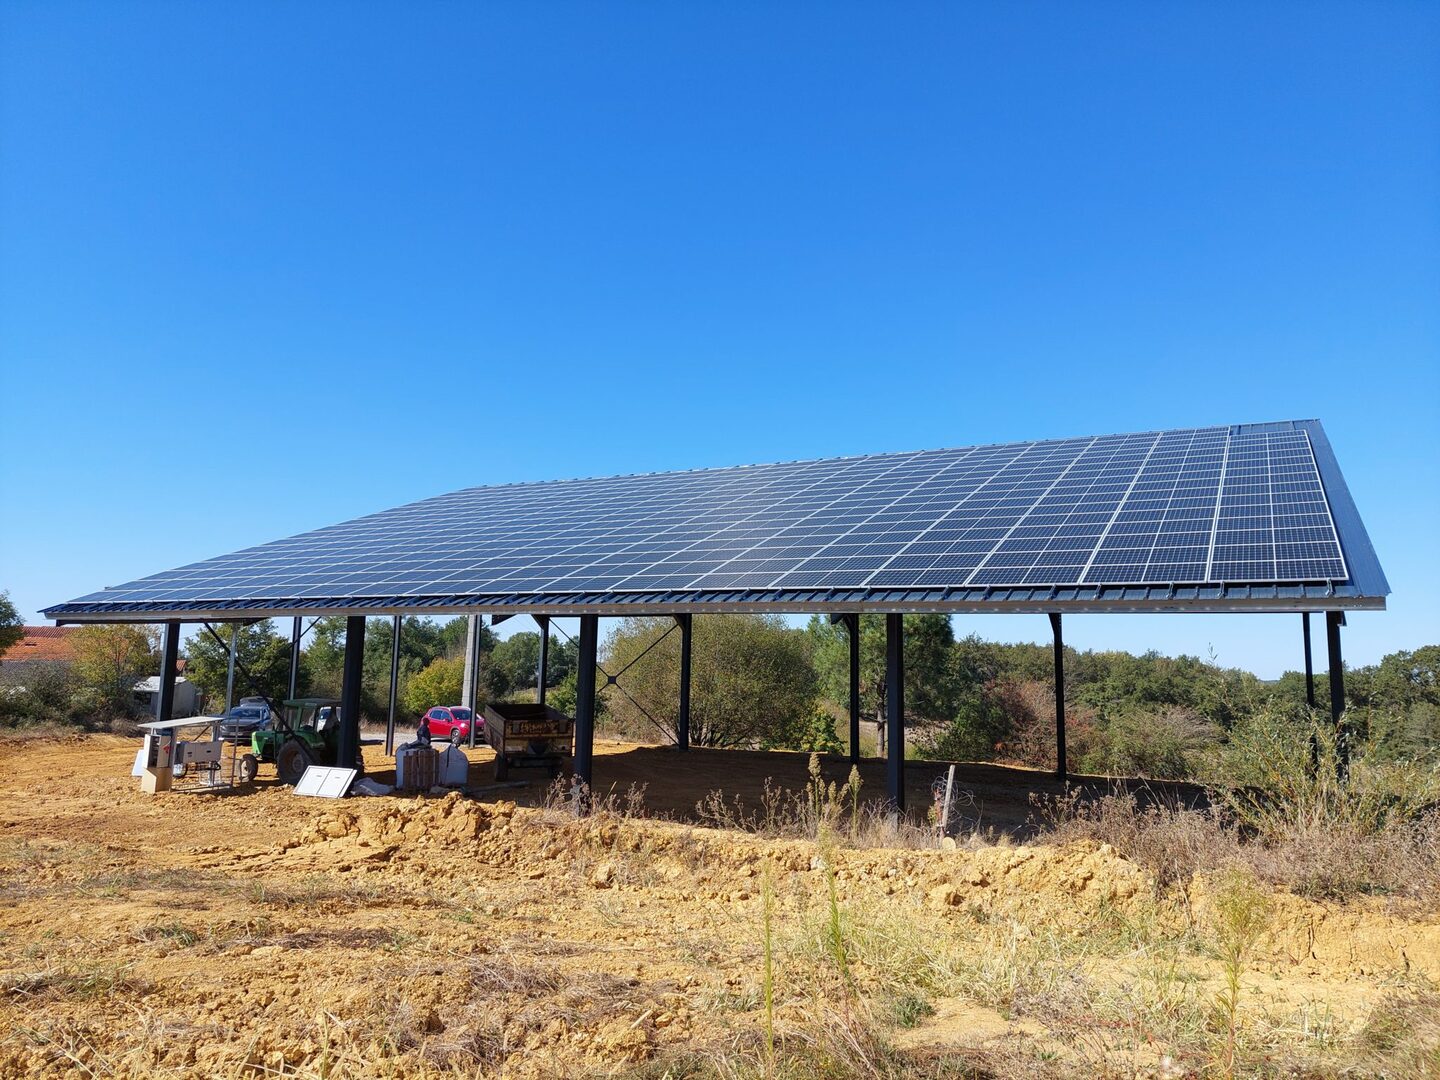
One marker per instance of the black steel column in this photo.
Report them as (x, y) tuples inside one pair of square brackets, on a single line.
[(169, 661), (1061, 762), (1333, 621), (1309, 665), (394, 689), (852, 624), (347, 753), (294, 655), (474, 656), (542, 671), (585, 698), (682, 727), (895, 709)]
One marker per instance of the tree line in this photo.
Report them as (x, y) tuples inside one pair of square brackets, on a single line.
[(759, 682)]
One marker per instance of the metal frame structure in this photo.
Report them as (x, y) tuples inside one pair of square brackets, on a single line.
[(1364, 589)]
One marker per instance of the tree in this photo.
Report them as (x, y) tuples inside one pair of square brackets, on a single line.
[(12, 629), (111, 658), (930, 690), (438, 684), (422, 641), (516, 662), (751, 678), (564, 656), (259, 650)]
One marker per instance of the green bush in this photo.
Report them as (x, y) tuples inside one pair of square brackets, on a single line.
[(1167, 744), (815, 734)]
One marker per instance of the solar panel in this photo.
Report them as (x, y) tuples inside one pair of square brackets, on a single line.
[(1194, 506)]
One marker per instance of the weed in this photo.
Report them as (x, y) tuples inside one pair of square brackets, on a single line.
[(907, 1010), (1242, 913), (767, 887)]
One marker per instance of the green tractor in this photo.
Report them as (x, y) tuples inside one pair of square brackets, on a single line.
[(306, 733)]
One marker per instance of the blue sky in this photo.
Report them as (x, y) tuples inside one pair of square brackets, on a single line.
[(267, 266)]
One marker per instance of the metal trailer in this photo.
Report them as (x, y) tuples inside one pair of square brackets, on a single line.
[(526, 735)]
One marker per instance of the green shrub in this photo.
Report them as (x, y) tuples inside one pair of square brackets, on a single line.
[(1164, 745)]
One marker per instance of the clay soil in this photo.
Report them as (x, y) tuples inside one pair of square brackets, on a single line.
[(257, 933)]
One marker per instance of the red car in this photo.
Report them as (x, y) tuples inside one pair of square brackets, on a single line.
[(452, 722)]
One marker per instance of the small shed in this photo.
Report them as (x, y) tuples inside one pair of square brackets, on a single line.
[(187, 696)]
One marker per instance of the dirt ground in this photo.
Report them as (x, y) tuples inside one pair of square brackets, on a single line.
[(258, 933)]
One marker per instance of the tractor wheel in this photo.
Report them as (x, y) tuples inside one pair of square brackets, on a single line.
[(291, 761), (249, 767)]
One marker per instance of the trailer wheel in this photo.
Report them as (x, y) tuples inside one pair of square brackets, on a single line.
[(249, 768), (502, 769), (291, 761)]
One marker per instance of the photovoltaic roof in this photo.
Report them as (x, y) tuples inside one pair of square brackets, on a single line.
[(1214, 518)]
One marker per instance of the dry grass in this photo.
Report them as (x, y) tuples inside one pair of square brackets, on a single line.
[(822, 809), (1319, 854)]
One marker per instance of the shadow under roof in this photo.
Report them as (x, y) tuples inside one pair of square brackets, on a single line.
[(1252, 517)]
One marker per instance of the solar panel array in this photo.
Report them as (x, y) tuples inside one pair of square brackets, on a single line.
[(1173, 507)]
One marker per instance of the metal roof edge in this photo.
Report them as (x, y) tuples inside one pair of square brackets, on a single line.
[(1014, 601), (1360, 557)]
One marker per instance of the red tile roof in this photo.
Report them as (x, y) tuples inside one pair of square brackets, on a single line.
[(43, 643)]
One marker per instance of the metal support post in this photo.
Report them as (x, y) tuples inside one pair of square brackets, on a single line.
[(170, 660), (542, 672), (1309, 665), (394, 688), (1333, 621), (895, 709), (1061, 762), (472, 674), (585, 699), (347, 753), (294, 656), (682, 727), (852, 623), (467, 682), (230, 667)]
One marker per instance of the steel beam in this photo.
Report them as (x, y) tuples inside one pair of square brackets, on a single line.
[(347, 753), (230, 667), (542, 671), (895, 710), (169, 661), (295, 636), (472, 672), (1115, 600), (585, 699), (394, 687), (1309, 664), (682, 727), (467, 682), (1061, 762), (1333, 621), (852, 626)]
